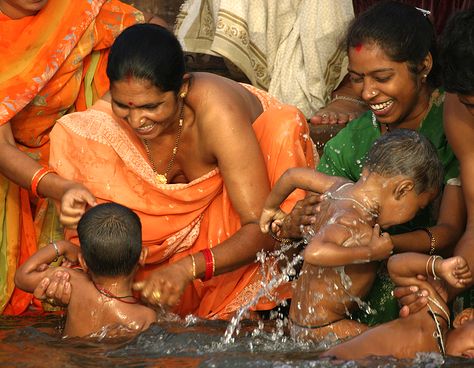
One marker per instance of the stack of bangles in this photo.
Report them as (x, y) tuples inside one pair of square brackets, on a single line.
[(432, 266), (210, 264), (37, 177)]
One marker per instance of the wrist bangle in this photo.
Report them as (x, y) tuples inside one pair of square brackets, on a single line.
[(432, 240), (56, 249), (210, 265), (37, 177), (194, 266), (347, 98), (285, 241)]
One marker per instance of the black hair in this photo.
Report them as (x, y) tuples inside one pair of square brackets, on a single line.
[(111, 239), (457, 53), (403, 32), (147, 52), (408, 153)]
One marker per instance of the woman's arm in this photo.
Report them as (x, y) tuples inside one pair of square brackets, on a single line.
[(20, 168), (447, 231)]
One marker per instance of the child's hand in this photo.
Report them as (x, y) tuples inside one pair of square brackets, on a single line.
[(69, 251), (380, 244), (268, 216), (455, 271)]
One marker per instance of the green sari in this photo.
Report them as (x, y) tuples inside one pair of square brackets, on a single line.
[(344, 155)]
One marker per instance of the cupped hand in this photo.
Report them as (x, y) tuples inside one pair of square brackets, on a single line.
[(165, 285), (412, 299), (303, 214), (57, 287), (380, 244), (74, 203)]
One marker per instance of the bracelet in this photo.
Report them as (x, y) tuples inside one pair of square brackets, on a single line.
[(194, 266), (432, 240), (285, 241), (56, 249), (347, 98), (210, 265), (432, 259), (37, 177)]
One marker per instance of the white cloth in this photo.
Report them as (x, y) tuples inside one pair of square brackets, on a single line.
[(292, 48)]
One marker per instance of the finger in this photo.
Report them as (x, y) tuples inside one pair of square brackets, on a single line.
[(316, 120), (66, 296), (88, 198), (402, 291), (342, 118), (40, 290), (376, 231), (404, 312), (333, 118)]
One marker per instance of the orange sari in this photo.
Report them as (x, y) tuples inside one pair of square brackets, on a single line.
[(52, 63), (104, 154)]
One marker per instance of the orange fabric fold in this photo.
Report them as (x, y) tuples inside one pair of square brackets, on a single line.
[(42, 77), (178, 219)]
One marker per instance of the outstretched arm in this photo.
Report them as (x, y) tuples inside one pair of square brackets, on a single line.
[(29, 274), (326, 249), (405, 267), (295, 178)]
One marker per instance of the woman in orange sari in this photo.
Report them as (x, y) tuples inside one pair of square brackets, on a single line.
[(194, 155), (54, 55)]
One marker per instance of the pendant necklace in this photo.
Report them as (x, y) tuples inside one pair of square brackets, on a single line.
[(163, 178)]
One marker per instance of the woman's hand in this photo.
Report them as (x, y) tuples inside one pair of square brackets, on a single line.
[(74, 203), (303, 214), (165, 285), (339, 111), (55, 289), (269, 215)]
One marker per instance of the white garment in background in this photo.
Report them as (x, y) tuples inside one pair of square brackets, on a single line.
[(292, 48)]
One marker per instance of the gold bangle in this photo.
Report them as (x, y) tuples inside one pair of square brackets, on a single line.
[(432, 240), (347, 98), (285, 241), (56, 249), (194, 266), (213, 262)]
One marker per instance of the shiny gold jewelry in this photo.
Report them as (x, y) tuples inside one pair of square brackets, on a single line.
[(432, 239), (194, 266), (163, 178), (183, 95), (156, 295), (373, 93), (56, 249)]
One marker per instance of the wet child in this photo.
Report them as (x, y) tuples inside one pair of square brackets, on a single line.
[(101, 292), (401, 175), (424, 331)]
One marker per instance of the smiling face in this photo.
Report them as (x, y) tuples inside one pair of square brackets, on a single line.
[(17, 9), (147, 109), (389, 88)]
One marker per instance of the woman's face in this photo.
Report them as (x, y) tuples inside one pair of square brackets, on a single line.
[(389, 88), (21, 8), (147, 109)]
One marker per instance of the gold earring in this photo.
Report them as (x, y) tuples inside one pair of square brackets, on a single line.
[(182, 94)]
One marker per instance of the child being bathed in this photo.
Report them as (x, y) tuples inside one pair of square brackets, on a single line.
[(401, 175), (101, 293)]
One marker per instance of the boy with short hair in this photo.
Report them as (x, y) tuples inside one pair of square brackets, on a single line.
[(101, 293), (402, 174)]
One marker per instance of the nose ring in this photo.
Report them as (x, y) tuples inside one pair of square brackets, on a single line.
[(142, 120), (373, 93)]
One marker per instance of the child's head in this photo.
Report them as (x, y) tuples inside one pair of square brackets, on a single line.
[(460, 340), (111, 239), (411, 162)]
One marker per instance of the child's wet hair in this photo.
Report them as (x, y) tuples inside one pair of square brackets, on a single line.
[(111, 239), (408, 153)]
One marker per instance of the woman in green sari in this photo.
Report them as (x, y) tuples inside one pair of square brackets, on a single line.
[(393, 67)]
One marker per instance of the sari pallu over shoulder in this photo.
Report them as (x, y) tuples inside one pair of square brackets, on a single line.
[(179, 219)]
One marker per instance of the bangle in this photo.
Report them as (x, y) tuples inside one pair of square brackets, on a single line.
[(347, 98), (37, 177), (285, 241), (432, 240), (432, 259), (210, 265), (194, 266), (56, 249)]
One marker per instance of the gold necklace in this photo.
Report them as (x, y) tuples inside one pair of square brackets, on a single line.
[(163, 178)]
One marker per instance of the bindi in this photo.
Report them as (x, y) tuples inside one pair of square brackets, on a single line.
[(131, 104), (358, 47)]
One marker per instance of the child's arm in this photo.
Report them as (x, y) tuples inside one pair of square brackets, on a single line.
[(326, 249), (404, 268), (295, 178), (29, 274)]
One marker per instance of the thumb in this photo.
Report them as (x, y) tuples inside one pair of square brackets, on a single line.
[(376, 231)]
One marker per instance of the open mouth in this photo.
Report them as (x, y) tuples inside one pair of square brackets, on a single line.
[(381, 107), (145, 129)]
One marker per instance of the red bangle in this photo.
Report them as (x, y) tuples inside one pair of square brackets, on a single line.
[(37, 177), (210, 264)]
